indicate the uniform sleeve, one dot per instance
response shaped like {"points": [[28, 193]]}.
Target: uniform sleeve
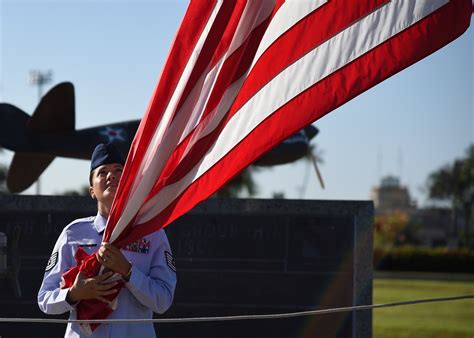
{"points": [[156, 290], [51, 298]]}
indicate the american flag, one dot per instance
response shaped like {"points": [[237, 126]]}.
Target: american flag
{"points": [[242, 76]]}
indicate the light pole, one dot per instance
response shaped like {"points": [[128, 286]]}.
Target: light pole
{"points": [[39, 78]]}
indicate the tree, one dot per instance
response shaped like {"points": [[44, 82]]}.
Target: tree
{"points": [[313, 157], [392, 229], [243, 181], [455, 182], [3, 179]]}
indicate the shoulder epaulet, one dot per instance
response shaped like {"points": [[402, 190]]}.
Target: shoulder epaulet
{"points": [[80, 220]]}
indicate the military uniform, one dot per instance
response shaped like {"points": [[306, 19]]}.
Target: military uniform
{"points": [[150, 288]]}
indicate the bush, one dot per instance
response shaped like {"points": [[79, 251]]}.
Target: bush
{"points": [[411, 258]]}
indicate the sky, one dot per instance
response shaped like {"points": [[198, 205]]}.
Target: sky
{"points": [[113, 51]]}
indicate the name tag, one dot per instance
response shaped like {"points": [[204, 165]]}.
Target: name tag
{"points": [[87, 245], [140, 246]]}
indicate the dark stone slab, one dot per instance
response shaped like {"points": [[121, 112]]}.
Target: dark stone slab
{"points": [[233, 257]]}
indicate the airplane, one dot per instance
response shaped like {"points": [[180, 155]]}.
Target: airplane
{"points": [[50, 132]]}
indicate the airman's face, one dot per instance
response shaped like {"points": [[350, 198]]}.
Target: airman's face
{"points": [[104, 182]]}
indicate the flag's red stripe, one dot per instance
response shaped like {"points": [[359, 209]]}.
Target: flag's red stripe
{"points": [[233, 68], [236, 65], [395, 54], [194, 21], [191, 28], [278, 4], [280, 54], [324, 23], [229, 32], [218, 35], [188, 34]]}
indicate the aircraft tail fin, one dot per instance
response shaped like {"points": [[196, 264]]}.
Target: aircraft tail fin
{"points": [[55, 112], [25, 170], [13, 123]]}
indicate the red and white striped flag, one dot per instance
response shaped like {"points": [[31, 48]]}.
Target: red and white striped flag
{"points": [[242, 76]]}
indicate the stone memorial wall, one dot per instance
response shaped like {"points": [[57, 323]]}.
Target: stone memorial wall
{"points": [[233, 257]]}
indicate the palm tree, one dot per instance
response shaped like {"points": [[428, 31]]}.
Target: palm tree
{"points": [[313, 158], [240, 183], [455, 182]]}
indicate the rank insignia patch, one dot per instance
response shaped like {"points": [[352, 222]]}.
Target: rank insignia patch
{"points": [[140, 246], [52, 261], [170, 261]]}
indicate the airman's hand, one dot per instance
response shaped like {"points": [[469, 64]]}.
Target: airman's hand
{"points": [[91, 288], [112, 258]]}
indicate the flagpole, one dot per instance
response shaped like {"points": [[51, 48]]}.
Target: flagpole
{"points": [[39, 78]]}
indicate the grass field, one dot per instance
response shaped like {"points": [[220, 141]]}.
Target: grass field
{"points": [[431, 320]]}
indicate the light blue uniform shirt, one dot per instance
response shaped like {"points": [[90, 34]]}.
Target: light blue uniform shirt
{"points": [[150, 289]]}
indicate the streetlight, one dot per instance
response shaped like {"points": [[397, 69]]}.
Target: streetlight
{"points": [[39, 78]]}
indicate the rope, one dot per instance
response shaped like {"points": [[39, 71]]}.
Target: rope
{"points": [[233, 318]]}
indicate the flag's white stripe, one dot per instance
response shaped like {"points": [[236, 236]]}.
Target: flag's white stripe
{"points": [[211, 121], [298, 10], [210, 79], [289, 13], [152, 165], [194, 102], [200, 96], [346, 46], [183, 116], [254, 14]]}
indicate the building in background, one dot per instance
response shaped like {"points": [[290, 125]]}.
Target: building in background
{"points": [[431, 226], [391, 196]]}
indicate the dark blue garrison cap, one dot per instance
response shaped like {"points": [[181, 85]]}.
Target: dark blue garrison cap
{"points": [[105, 154]]}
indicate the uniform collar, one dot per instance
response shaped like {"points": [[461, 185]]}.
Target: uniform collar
{"points": [[99, 223]]}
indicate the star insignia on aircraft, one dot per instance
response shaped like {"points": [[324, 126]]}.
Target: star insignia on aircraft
{"points": [[113, 134]]}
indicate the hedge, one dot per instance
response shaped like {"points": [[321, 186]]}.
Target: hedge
{"points": [[410, 258]]}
